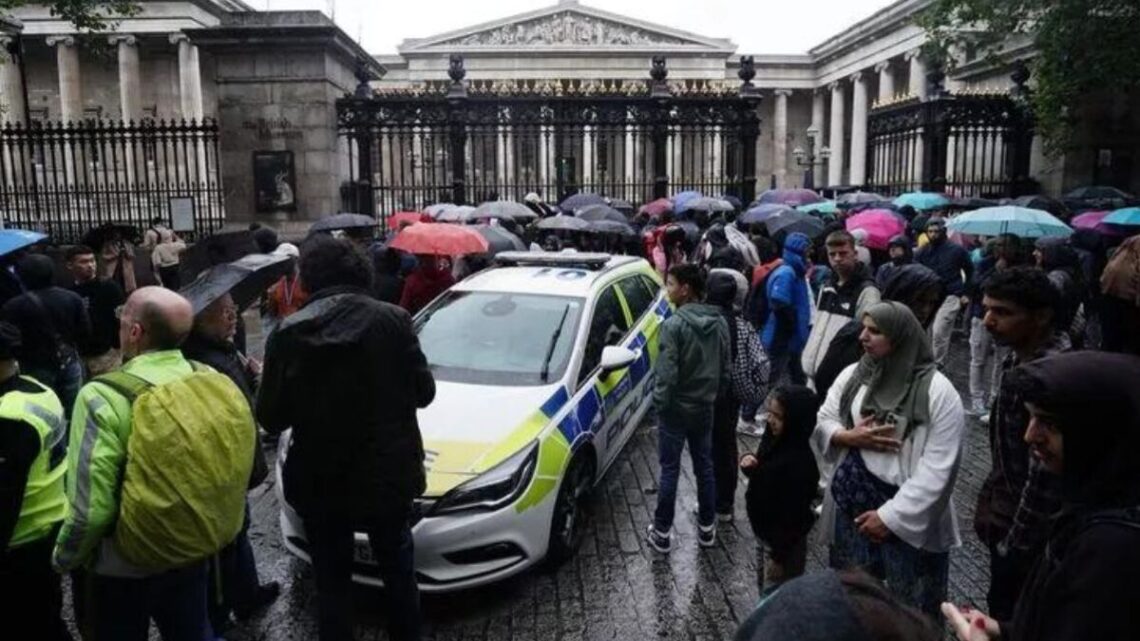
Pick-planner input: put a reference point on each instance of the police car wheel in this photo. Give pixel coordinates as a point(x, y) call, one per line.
point(570, 509)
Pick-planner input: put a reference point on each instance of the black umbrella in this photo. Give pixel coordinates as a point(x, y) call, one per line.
point(611, 227)
point(504, 209)
point(600, 212)
point(499, 239)
point(563, 223)
point(1044, 203)
point(578, 201)
point(624, 206)
point(692, 231)
point(342, 221)
point(101, 235)
point(794, 221)
point(244, 279)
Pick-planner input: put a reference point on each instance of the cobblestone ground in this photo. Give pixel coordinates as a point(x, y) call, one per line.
point(615, 588)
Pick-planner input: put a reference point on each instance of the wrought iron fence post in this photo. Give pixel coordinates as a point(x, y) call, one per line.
point(362, 196)
point(457, 125)
point(659, 132)
point(1022, 126)
point(749, 128)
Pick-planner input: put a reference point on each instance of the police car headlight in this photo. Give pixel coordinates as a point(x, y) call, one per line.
point(495, 488)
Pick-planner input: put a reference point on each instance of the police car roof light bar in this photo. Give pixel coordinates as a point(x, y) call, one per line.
point(552, 259)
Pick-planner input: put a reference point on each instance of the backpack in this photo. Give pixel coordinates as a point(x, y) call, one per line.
point(189, 458)
point(750, 366)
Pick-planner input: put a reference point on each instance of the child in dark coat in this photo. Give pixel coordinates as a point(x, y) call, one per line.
point(783, 481)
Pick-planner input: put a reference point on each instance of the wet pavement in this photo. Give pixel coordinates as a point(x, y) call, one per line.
point(616, 587)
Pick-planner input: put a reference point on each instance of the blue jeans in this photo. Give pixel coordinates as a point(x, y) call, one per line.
point(672, 434)
point(121, 609)
point(916, 576)
point(64, 381)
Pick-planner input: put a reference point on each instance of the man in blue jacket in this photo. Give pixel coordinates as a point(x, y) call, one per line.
point(786, 331)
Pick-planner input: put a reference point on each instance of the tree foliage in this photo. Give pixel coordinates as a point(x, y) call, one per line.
point(1082, 47)
point(87, 15)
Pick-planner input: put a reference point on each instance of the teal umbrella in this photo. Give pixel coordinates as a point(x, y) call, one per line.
point(923, 200)
point(1009, 219)
point(825, 207)
point(14, 239)
point(1127, 216)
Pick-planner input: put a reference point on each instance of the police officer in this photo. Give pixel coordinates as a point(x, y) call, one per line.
point(32, 503)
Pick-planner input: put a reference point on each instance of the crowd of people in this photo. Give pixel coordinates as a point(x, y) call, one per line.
point(133, 422)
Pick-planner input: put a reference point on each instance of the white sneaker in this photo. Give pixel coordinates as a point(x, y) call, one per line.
point(706, 536)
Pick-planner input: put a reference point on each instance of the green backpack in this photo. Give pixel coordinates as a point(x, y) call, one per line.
point(188, 463)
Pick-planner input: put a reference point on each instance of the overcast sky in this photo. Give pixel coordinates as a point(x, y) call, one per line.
point(756, 26)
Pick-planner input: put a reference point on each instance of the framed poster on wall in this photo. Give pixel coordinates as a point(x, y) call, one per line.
point(274, 181)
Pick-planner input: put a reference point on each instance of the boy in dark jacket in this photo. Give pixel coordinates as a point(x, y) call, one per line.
point(782, 483)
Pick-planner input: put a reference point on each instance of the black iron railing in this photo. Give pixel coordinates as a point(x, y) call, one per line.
point(65, 178)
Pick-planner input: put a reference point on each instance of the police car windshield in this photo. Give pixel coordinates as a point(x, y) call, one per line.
point(498, 338)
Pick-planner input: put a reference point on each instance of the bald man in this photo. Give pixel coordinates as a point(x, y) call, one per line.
point(121, 598)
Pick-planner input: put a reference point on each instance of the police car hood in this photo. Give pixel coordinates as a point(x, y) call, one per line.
point(468, 429)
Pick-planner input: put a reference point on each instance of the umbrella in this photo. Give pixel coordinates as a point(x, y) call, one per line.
point(1098, 192)
point(99, 236)
point(435, 210)
point(704, 203)
point(244, 279)
point(1095, 220)
point(656, 207)
point(600, 212)
point(824, 207)
point(439, 240)
point(760, 213)
point(395, 220)
point(923, 200)
point(15, 239)
point(1129, 216)
point(1044, 203)
point(793, 197)
point(881, 226)
point(342, 221)
point(624, 206)
point(504, 209)
point(606, 226)
point(1009, 219)
point(974, 203)
point(734, 201)
point(578, 201)
point(499, 239)
point(456, 214)
point(563, 222)
point(217, 249)
point(859, 198)
point(681, 197)
point(790, 221)
point(692, 231)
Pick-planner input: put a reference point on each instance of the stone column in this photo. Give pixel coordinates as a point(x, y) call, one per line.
point(587, 158)
point(717, 177)
point(835, 164)
point(917, 74)
point(130, 81)
point(886, 80)
point(70, 82)
point(780, 138)
point(189, 77)
point(544, 163)
point(629, 156)
point(12, 107)
point(858, 173)
point(818, 111)
point(509, 174)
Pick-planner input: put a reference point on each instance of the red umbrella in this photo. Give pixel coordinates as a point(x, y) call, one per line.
point(400, 217)
point(881, 226)
point(439, 240)
point(657, 207)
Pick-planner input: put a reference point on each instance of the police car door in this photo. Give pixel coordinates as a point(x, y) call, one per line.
point(597, 398)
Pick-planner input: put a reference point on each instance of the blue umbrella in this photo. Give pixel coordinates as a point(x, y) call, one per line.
point(1009, 219)
point(14, 239)
point(680, 198)
point(1127, 216)
point(760, 213)
point(923, 200)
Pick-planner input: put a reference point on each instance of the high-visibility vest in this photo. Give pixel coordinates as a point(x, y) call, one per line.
point(45, 503)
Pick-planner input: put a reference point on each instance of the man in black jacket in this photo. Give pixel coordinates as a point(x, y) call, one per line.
point(953, 265)
point(347, 374)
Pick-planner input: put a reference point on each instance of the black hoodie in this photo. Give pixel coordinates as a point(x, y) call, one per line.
point(1085, 585)
point(782, 487)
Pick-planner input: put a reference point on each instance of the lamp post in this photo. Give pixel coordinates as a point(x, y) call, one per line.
point(810, 158)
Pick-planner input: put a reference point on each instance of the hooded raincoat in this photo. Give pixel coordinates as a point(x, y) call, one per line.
point(693, 362)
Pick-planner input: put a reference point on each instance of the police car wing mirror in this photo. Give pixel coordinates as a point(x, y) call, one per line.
point(615, 358)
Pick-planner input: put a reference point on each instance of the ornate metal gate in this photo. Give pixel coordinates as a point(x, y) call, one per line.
point(469, 142)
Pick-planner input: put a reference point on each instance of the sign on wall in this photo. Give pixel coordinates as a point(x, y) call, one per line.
point(274, 181)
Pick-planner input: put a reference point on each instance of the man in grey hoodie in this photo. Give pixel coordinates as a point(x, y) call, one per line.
point(692, 366)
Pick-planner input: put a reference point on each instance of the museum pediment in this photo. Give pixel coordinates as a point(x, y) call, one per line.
point(567, 26)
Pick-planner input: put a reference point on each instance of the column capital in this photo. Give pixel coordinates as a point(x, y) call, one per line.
point(835, 86)
point(178, 37)
point(128, 39)
point(782, 92)
point(882, 66)
point(65, 40)
point(912, 54)
point(856, 77)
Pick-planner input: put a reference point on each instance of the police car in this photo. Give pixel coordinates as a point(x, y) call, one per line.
point(544, 368)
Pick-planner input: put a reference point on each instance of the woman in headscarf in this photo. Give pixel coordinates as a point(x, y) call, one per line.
point(892, 427)
point(1120, 305)
point(1085, 427)
point(782, 482)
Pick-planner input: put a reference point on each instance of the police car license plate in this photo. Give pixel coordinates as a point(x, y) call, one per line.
point(362, 553)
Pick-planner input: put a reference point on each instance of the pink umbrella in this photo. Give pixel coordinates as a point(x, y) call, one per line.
point(1095, 220)
point(657, 207)
point(881, 226)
